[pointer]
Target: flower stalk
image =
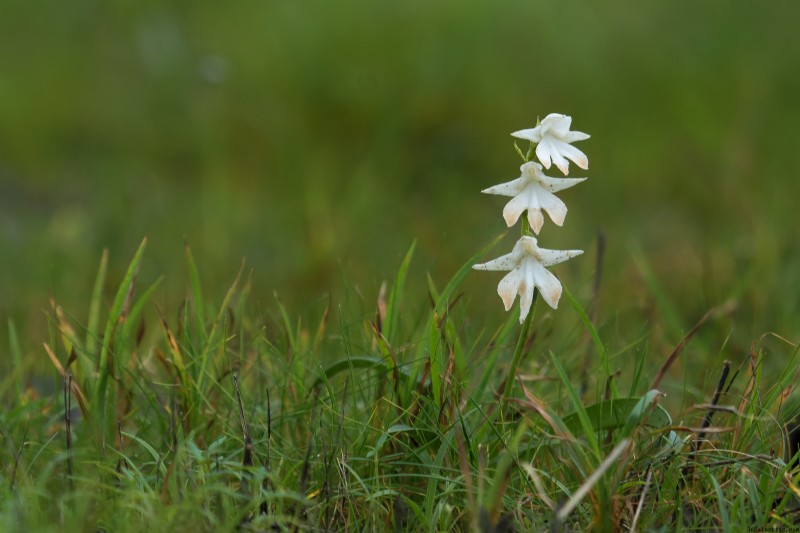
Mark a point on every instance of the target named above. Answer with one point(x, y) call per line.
point(532, 193)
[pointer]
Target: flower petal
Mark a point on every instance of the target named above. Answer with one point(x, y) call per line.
point(509, 286)
point(535, 219)
point(558, 124)
point(573, 154)
point(556, 153)
point(559, 184)
point(533, 134)
point(526, 290)
point(511, 188)
point(554, 207)
point(548, 284)
point(505, 262)
point(544, 151)
point(515, 207)
point(554, 257)
point(573, 136)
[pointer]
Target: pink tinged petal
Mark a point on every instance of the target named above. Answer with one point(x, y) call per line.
point(535, 219)
point(505, 262)
point(533, 134)
point(559, 184)
point(575, 155)
point(548, 284)
point(529, 199)
point(543, 151)
point(514, 208)
point(509, 286)
point(511, 188)
point(554, 257)
point(554, 207)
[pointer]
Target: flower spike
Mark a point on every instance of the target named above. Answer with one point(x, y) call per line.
point(533, 191)
point(553, 139)
point(527, 263)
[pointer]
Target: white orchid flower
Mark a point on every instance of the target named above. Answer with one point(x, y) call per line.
point(534, 191)
point(553, 138)
point(527, 264)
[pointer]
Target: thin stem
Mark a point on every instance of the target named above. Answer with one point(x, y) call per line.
point(523, 339)
point(523, 335)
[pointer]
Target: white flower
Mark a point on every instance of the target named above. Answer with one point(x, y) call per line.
point(526, 263)
point(553, 138)
point(534, 191)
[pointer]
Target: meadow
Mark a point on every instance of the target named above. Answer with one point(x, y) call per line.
point(241, 237)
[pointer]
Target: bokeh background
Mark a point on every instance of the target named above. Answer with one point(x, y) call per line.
point(319, 139)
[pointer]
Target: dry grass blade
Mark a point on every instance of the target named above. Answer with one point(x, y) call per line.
point(715, 430)
point(565, 510)
point(380, 315)
point(723, 309)
point(68, 423)
point(74, 387)
point(717, 408)
point(539, 486)
point(640, 505)
point(248, 443)
point(263, 508)
point(538, 405)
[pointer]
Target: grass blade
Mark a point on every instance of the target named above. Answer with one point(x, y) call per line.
point(393, 306)
point(93, 324)
point(118, 310)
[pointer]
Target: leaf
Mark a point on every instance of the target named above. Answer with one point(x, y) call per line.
point(357, 361)
point(93, 326)
point(392, 430)
point(198, 304)
point(393, 307)
point(118, 309)
point(614, 414)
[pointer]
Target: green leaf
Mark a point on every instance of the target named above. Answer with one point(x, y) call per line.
point(584, 422)
point(197, 295)
point(643, 410)
point(213, 336)
point(138, 308)
point(389, 433)
point(118, 308)
point(598, 344)
point(93, 325)
point(356, 361)
point(614, 414)
point(393, 305)
point(16, 356)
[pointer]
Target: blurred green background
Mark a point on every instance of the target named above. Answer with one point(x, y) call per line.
point(320, 139)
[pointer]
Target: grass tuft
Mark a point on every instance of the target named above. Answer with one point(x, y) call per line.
point(343, 419)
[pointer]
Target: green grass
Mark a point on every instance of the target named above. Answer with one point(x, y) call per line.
point(319, 140)
point(218, 417)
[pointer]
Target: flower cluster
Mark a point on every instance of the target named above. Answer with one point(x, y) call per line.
point(534, 192)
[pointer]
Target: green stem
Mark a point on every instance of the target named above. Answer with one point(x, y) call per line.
point(526, 327)
point(523, 339)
